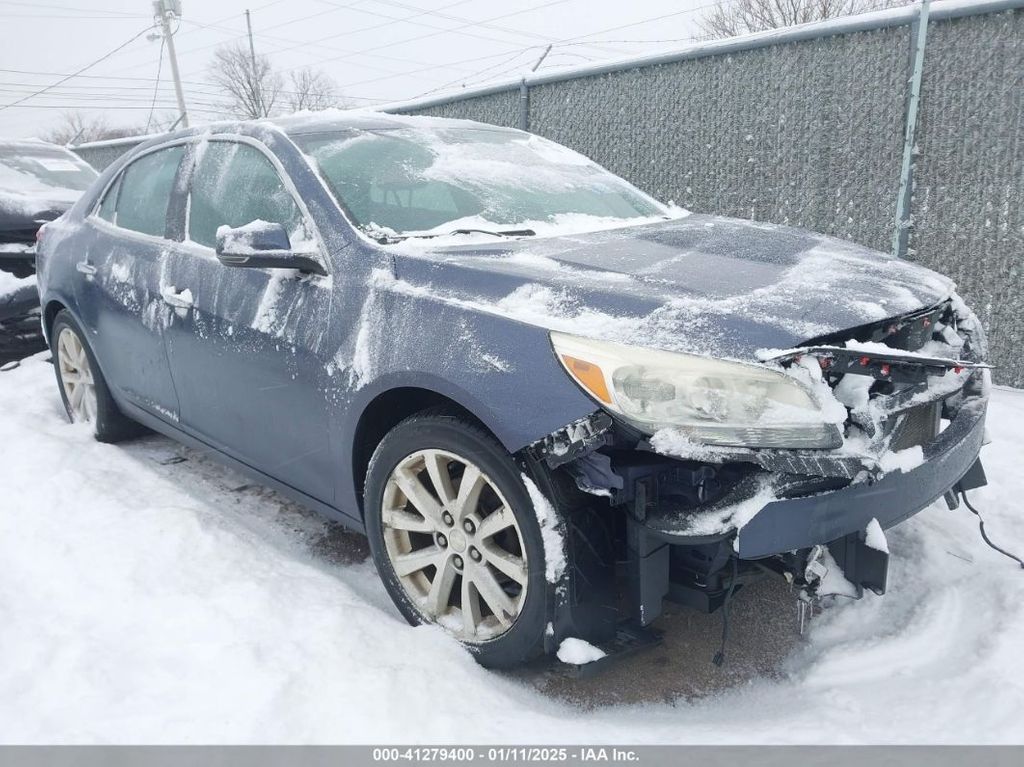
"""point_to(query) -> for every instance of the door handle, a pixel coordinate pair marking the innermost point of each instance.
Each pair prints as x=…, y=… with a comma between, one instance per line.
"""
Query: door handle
x=85, y=267
x=180, y=299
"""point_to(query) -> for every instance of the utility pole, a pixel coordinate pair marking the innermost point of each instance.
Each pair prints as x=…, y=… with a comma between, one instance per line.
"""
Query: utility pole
x=901, y=233
x=167, y=10
x=252, y=58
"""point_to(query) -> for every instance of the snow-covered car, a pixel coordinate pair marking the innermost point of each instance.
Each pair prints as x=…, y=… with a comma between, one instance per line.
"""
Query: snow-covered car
x=550, y=401
x=38, y=182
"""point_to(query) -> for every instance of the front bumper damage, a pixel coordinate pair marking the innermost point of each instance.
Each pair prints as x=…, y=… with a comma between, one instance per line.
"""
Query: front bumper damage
x=693, y=529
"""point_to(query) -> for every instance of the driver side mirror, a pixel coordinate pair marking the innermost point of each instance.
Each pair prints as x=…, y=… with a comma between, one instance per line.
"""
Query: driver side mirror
x=261, y=244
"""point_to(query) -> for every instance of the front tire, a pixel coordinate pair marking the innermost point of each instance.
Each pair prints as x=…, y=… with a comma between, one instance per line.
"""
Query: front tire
x=455, y=537
x=82, y=387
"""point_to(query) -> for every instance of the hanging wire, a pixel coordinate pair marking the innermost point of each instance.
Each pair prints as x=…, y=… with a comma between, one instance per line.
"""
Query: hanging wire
x=77, y=72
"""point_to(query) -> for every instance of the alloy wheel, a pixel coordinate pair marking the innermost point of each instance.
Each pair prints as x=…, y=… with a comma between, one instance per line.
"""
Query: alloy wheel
x=76, y=376
x=455, y=545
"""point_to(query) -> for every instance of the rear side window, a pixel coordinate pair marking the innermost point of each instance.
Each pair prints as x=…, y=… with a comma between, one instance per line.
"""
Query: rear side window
x=233, y=185
x=145, y=191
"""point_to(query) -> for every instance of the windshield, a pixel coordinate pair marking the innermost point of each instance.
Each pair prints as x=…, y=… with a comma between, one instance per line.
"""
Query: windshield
x=34, y=169
x=426, y=182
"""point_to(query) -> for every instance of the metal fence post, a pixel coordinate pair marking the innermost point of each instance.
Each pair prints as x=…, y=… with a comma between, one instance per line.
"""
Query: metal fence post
x=918, y=38
x=524, y=105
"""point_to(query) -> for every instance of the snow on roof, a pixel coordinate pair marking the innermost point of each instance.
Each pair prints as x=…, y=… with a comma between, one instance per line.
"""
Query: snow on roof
x=362, y=118
x=26, y=143
x=366, y=118
x=124, y=141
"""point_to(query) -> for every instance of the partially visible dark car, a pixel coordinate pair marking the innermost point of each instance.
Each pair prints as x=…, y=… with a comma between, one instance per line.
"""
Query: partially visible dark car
x=38, y=182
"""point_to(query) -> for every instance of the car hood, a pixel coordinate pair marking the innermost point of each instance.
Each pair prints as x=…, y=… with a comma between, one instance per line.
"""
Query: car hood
x=701, y=284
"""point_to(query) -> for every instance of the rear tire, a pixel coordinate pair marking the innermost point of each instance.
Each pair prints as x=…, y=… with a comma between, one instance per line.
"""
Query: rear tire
x=83, y=389
x=444, y=502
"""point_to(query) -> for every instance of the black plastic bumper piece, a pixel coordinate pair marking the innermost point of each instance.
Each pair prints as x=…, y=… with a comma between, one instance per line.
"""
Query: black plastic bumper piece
x=863, y=566
x=800, y=523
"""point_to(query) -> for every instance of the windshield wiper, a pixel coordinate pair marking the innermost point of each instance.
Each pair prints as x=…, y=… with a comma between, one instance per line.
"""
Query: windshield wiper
x=385, y=237
x=502, y=233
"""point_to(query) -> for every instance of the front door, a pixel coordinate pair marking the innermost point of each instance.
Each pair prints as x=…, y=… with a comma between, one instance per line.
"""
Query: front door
x=245, y=343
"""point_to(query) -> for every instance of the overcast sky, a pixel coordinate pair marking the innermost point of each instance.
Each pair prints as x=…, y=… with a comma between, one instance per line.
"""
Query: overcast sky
x=376, y=50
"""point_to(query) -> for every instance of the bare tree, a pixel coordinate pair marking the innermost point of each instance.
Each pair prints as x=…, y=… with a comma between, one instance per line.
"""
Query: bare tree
x=251, y=90
x=743, y=16
x=79, y=128
x=313, y=89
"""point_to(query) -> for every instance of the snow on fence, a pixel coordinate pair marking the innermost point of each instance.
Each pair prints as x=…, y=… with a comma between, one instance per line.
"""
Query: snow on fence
x=805, y=126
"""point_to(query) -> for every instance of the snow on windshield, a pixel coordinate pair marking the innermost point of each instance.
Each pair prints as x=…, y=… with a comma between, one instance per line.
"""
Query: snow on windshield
x=409, y=182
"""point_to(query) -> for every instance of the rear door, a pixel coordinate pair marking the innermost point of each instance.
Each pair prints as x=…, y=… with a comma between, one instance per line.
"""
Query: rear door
x=247, y=355
x=119, y=296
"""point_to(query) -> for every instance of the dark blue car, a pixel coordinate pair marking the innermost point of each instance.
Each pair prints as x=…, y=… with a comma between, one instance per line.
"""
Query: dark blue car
x=549, y=400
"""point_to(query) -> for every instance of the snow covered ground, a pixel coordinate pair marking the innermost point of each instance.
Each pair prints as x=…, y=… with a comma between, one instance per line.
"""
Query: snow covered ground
x=147, y=600
x=9, y=283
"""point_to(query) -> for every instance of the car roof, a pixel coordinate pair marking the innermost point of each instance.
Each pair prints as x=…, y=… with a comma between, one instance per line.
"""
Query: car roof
x=311, y=123
x=324, y=121
x=30, y=143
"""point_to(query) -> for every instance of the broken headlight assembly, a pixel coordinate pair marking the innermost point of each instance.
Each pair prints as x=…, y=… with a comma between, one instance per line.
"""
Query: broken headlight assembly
x=710, y=401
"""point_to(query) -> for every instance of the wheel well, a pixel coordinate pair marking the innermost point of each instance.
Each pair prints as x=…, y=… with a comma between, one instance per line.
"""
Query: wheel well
x=387, y=411
x=50, y=314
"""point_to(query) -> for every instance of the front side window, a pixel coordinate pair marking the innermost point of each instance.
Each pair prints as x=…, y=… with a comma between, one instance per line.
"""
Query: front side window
x=145, y=191
x=233, y=185
x=423, y=182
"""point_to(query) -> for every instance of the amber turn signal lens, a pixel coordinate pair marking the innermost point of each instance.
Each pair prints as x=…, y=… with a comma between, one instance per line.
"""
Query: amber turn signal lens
x=590, y=376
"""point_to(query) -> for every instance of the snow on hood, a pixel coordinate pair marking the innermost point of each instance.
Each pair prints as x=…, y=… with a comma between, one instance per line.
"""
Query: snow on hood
x=701, y=284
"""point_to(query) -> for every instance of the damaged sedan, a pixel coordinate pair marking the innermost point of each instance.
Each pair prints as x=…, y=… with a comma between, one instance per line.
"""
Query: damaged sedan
x=550, y=401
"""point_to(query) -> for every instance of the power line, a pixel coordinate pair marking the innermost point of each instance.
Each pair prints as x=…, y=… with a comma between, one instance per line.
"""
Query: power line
x=68, y=107
x=62, y=16
x=372, y=51
x=363, y=64
x=319, y=42
x=204, y=88
x=235, y=35
x=474, y=77
x=466, y=81
x=33, y=5
x=648, y=21
x=572, y=41
x=102, y=58
x=435, y=33
x=437, y=12
x=390, y=20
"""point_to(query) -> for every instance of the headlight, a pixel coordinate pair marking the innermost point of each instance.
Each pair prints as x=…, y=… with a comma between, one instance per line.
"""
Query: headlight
x=712, y=401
